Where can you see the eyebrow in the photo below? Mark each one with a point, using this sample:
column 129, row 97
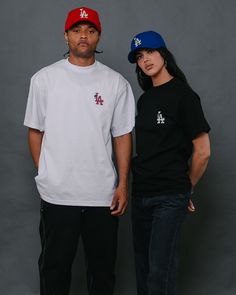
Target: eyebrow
column 138, row 54
column 84, row 23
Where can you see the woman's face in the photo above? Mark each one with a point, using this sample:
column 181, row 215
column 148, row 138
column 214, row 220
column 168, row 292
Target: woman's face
column 151, row 62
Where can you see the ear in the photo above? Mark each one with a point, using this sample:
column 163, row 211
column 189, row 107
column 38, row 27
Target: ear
column 99, row 35
column 66, row 36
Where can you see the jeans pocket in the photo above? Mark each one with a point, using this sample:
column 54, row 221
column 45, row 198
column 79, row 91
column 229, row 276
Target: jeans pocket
column 185, row 195
column 43, row 206
column 180, row 201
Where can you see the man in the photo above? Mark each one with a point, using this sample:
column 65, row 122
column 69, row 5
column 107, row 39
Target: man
column 75, row 108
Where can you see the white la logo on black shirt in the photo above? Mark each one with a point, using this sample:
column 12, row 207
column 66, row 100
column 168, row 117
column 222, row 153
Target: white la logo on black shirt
column 160, row 118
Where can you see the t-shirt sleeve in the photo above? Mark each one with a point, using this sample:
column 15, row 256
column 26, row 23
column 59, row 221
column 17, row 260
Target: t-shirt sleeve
column 124, row 112
column 35, row 109
column 191, row 115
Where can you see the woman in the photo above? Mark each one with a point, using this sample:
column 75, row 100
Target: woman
column 170, row 128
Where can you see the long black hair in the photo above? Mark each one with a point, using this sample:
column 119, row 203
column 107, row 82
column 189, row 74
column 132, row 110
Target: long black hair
column 145, row 82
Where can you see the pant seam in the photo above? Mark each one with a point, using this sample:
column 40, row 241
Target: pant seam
column 43, row 253
column 171, row 258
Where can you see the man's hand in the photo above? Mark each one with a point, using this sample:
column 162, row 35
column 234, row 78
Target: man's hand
column 120, row 201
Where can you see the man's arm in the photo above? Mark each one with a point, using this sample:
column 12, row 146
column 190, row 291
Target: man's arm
column 123, row 150
column 35, row 141
column 200, row 158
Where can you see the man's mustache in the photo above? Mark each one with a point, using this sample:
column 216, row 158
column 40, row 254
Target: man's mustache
column 83, row 42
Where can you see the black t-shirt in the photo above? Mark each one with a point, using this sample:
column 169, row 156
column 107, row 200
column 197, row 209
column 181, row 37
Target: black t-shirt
column 169, row 117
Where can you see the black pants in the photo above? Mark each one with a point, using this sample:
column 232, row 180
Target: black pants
column 156, row 228
column 60, row 230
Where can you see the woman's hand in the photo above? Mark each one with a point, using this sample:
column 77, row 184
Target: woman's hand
column 191, row 207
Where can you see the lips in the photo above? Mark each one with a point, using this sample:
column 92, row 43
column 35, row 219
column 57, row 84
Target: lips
column 83, row 43
column 148, row 67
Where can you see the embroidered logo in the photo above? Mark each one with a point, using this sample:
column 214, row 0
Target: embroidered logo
column 83, row 13
column 160, row 118
column 137, row 42
column 98, row 99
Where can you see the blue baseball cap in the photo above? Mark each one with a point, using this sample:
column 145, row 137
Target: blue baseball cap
column 148, row 39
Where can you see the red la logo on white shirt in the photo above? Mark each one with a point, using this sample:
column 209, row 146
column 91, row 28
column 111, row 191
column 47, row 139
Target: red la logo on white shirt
column 98, row 99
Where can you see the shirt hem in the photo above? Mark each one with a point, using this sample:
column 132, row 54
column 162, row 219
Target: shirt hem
column 33, row 126
column 76, row 203
column 122, row 131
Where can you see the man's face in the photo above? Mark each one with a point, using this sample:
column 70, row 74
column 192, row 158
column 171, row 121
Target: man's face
column 82, row 40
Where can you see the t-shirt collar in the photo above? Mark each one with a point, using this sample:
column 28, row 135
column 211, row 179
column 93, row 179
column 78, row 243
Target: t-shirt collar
column 80, row 69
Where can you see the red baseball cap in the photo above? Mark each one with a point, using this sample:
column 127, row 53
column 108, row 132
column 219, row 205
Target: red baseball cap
column 83, row 14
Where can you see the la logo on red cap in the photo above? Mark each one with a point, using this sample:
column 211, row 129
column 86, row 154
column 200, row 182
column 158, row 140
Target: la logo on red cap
column 83, row 13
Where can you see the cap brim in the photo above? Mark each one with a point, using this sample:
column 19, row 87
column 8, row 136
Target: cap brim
column 131, row 55
column 82, row 21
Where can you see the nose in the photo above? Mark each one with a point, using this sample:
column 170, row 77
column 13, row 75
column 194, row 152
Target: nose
column 83, row 34
column 145, row 57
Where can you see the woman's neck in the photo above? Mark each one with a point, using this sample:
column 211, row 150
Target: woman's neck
column 161, row 77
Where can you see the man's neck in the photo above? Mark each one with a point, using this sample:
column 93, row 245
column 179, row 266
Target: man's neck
column 81, row 61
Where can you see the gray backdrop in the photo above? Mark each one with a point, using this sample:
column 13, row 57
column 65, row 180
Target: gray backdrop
column 201, row 34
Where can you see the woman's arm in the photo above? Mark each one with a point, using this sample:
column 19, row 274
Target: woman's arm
column 200, row 157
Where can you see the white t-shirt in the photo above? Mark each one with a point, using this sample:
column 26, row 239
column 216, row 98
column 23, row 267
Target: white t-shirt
column 79, row 109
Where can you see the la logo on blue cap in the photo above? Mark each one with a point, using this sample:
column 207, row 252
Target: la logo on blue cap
column 148, row 39
column 137, row 42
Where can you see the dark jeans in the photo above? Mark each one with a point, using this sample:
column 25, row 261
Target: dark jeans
column 60, row 230
column 156, row 225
